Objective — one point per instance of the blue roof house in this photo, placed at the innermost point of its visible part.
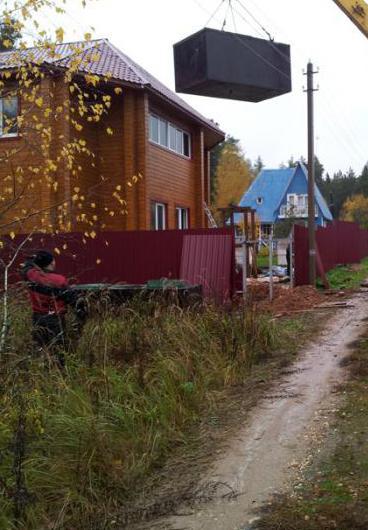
(279, 194)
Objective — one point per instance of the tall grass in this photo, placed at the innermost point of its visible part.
(136, 380)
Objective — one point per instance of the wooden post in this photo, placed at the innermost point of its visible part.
(270, 261)
(254, 245)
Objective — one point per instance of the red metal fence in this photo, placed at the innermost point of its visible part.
(339, 243)
(205, 256)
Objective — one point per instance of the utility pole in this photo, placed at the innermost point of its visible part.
(311, 176)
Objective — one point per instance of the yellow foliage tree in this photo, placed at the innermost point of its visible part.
(46, 106)
(50, 98)
(355, 209)
(233, 174)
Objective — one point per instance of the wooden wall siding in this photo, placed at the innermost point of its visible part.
(199, 190)
(61, 137)
(167, 176)
(40, 196)
(134, 149)
(172, 178)
(115, 163)
(207, 182)
(119, 157)
(142, 139)
(110, 154)
(171, 181)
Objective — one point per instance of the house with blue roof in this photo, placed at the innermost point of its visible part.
(279, 194)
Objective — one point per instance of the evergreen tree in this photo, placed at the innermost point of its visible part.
(362, 186)
(319, 170)
(214, 159)
(257, 166)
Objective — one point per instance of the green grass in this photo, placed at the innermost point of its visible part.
(334, 495)
(137, 381)
(264, 261)
(347, 276)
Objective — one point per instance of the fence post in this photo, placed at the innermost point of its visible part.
(245, 268)
(270, 255)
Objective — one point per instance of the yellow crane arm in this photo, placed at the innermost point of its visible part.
(357, 11)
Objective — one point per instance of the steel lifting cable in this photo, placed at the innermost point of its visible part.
(345, 139)
(214, 13)
(255, 20)
(346, 126)
(233, 16)
(226, 13)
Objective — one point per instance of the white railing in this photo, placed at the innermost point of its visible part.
(288, 210)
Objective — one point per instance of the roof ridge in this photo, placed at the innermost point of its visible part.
(132, 64)
(22, 50)
(321, 201)
(295, 168)
(93, 44)
(124, 69)
(147, 79)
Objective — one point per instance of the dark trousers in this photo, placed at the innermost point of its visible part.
(49, 334)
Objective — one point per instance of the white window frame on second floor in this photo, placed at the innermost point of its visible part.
(4, 125)
(169, 136)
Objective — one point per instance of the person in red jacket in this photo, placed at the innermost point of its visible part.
(48, 292)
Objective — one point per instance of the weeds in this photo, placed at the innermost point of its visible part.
(74, 447)
(347, 276)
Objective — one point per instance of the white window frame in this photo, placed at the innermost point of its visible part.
(179, 218)
(294, 196)
(157, 206)
(166, 144)
(7, 135)
(259, 200)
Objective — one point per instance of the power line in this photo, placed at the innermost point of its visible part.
(354, 145)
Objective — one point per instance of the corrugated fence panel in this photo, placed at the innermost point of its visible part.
(300, 255)
(207, 260)
(131, 256)
(339, 243)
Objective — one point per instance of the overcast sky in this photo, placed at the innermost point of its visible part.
(276, 129)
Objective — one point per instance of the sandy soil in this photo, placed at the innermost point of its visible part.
(277, 439)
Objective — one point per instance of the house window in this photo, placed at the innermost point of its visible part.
(266, 230)
(168, 135)
(302, 201)
(186, 144)
(158, 216)
(292, 199)
(8, 116)
(172, 138)
(259, 200)
(182, 218)
(154, 129)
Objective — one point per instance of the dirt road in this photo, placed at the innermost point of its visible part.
(278, 438)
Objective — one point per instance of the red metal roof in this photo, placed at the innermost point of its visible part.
(100, 57)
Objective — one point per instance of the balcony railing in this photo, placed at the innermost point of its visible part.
(288, 210)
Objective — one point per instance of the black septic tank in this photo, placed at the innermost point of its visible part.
(229, 65)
